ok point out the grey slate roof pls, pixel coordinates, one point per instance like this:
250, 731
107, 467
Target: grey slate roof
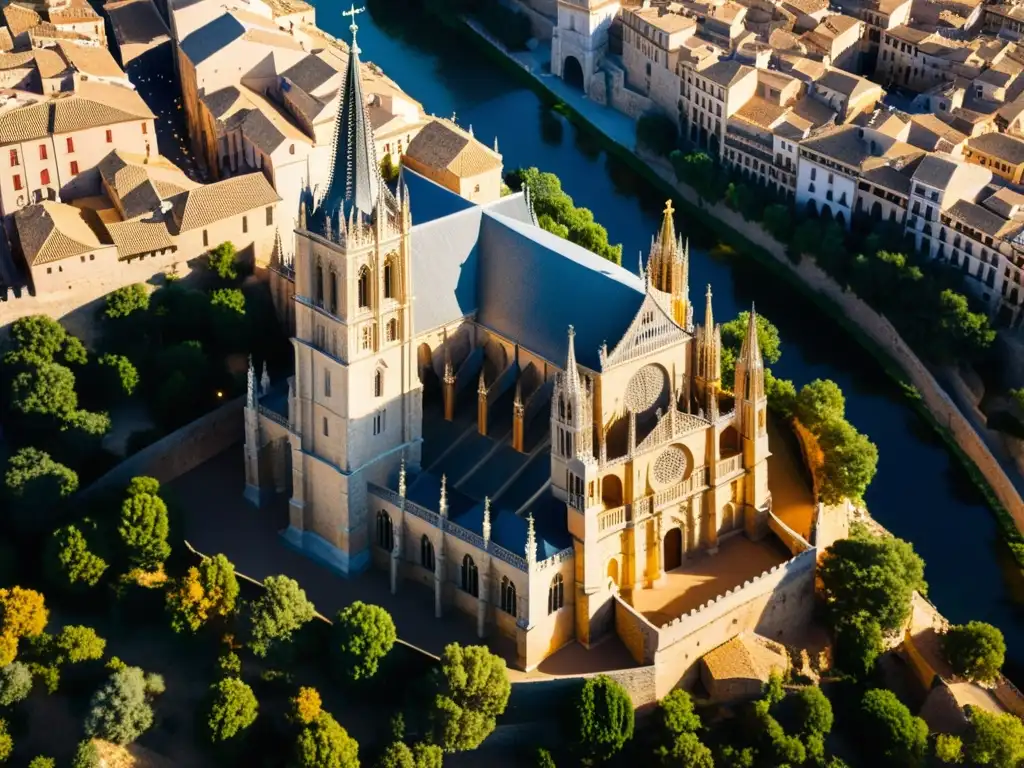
935, 171
999, 145
533, 285
310, 73
888, 177
978, 218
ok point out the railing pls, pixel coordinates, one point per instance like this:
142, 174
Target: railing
516, 561
421, 512
695, 482
729, 465
743, 146
467, 536
275, 416
556, 559
611, 518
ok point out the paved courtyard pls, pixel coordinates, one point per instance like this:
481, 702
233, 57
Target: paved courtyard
707, 576
219, 520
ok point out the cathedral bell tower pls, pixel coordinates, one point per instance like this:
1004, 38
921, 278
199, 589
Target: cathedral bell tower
751, 415
358, 397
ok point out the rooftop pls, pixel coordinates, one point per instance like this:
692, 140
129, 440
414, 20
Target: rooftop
747, 656
138, 27
727, 73
443, 145
51, 231
999, 145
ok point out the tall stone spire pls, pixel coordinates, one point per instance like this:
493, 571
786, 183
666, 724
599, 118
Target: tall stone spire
486, 527
572, 374
355, 181
668, 267
250, 389
442, 506
750, 365
531, 542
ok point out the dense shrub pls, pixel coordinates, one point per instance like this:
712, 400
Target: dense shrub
472, 691
601, 719
120, 711
363, 635
15, 683
232, 709
975, 650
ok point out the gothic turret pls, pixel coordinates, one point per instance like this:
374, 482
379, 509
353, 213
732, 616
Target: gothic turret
572, 408
708, 362
751, 415
749, 365
355, 189
668, 269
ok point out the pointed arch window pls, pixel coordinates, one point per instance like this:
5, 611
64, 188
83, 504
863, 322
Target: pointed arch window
508, 596
389, 276
378, 383
364, 287
385, 531
319, 287
470, 577
391, 330
561, 407
427, 553
556, 594
333, 307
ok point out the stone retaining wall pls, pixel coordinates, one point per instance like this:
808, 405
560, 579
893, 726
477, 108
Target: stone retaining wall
181, 451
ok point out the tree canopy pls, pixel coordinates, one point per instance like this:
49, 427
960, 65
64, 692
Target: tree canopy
472, 691
849, 465
143, 530
820, 402
206, 591
232, 709
36, 487
897, 737
44, 339
126, 300
975, 650
77, 643
15, 683
222, 261
70, 562
364, 634
120, 710
996, 740
278, 613
602, 718
22, 614
325, 744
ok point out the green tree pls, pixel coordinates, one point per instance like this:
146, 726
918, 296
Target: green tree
122, 374
858, 644
126, 300
222, 261
547, 223
143, 530
15, 683
778, 220
699, 171
897, 737
427, 755
975, 650
813, 711
40, 761
363, 635
781, 394
209, 590
45, 389
278, 613
686, 751
969, 332
305, 706
875, 576
229, 665
77, 644
543, 759
43, 338
996, 740
472, 691
120, 710
949, 749
806, 237
142, 484
849, 465
602, 718
36, 487
231, 300
86, 755
733, 334
388, 169
397, 755
819, 403
6, 742
232, 709
675, 714
70, 562
325, 744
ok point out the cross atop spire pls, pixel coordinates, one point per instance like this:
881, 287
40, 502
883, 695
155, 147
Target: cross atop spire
353, 27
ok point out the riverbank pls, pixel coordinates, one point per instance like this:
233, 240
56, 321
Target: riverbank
875, 335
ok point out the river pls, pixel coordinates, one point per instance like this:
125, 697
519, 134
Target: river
920, 492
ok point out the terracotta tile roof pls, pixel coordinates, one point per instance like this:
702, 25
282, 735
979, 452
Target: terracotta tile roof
53, 231
288, 7
140, 184
276, 39
25, 123
20, 19
6, 43
761, 112
76, 10
847, 84
47, 31
443, 146
16, 60
808, 6
745, 656
135, 237
204, 205
727, 73
90, 59
49, 62
846, 145
137, 27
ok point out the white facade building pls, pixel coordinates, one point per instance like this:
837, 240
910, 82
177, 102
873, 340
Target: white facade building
580, 41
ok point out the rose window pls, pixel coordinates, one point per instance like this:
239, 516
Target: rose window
645, 388
670, 467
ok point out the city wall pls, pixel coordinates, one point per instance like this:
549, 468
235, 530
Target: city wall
777, 604
181, 451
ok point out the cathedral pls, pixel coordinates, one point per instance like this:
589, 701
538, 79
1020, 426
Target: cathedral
536, 435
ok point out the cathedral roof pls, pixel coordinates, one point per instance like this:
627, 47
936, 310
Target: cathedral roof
533, 285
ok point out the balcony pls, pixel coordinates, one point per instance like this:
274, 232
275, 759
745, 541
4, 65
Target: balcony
744, 144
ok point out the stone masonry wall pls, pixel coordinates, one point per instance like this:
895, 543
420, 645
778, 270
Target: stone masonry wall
880, 331
181, 451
